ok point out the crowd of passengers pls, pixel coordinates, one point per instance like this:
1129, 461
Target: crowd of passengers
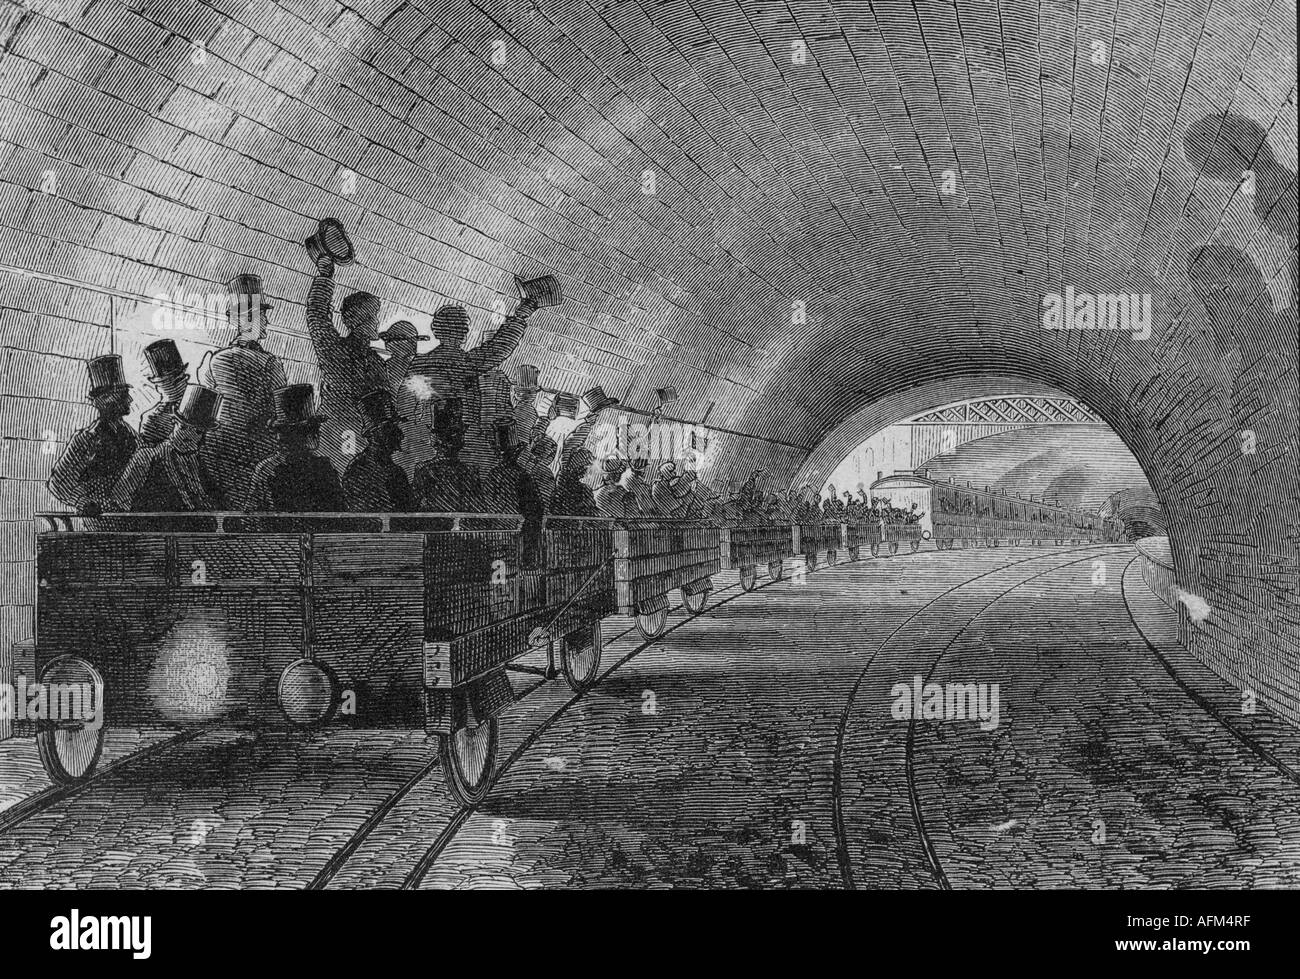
235, 436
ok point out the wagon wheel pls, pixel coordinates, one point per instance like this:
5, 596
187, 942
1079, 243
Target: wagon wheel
580, 657
695, 601
893, 547
469, 759
308, 693
69, 749
831, 557
855, 553
916, 544
775, 569
651, 624
875, 548
748, 577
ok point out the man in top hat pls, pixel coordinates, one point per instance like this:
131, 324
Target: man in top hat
349, 366
573, 496
373, 482
93, 461
446, 483
510, 488
450, 372
171, 477
246, 376
612, 499
169, 375
638, 488
295, 479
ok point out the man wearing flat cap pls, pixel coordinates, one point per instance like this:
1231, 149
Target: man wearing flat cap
171, 477
401, 342
93, 461
295, 479
246, 376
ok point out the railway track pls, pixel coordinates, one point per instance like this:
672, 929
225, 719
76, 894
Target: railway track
837, 788
1251, 744
927, 844
422, 866
46, 799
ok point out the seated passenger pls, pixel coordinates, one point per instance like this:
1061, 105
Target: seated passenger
638, 487
295, 479
171, 477
170, 376
612, 499
373, 482
445, 484
538, 459
510, 488
87, 472
668, 493
573, 498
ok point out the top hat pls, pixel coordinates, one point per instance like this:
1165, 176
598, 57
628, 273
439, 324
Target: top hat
106, 374
200, 407
613, 465
544, 290
566, 404
526, 377
330, 239
244, 295
448, 415
666, 395
668, 469
503, 436
595, 399
378, 409
164, 359
295, 407
403, 330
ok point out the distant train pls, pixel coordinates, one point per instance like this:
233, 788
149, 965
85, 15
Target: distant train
975, 517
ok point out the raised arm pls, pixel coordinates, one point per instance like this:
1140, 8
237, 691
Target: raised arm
490, 354
320, 308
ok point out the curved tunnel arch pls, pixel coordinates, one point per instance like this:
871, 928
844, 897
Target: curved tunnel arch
777, 194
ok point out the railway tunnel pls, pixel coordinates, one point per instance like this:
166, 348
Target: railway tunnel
786, 227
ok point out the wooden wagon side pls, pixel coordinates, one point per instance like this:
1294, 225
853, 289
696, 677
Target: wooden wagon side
746, 547
652, 557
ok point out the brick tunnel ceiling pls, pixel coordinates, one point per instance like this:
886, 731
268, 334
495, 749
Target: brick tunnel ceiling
914, 186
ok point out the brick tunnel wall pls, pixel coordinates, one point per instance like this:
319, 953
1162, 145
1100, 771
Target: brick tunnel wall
159, 147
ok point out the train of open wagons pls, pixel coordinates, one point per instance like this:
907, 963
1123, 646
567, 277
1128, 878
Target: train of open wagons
409, 620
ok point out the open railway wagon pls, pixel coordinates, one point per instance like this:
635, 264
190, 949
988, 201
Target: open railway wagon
981, 517
746, 547
809, 538
652, 557
270, 620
